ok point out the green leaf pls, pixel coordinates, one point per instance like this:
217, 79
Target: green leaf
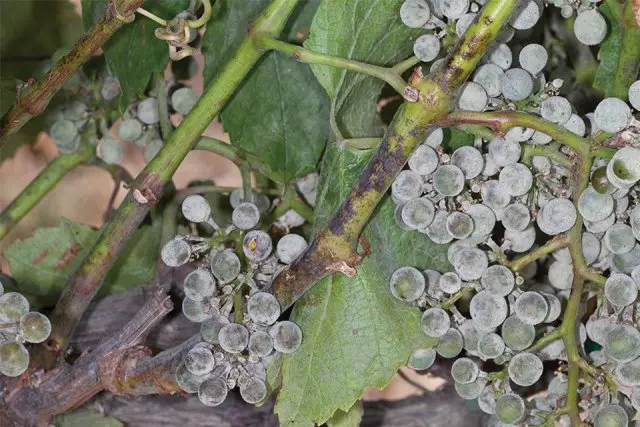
30, 32
280, 113
84, 418
356, 334
134, 53
454, 138
620, 52
351, 418
42, 263
365, 31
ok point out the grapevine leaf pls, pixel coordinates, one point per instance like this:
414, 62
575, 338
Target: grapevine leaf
84, 418
356, 334
280, 112
42, 263
620, 52
57, 25
134, 53
454, 138
365, 31
351, 418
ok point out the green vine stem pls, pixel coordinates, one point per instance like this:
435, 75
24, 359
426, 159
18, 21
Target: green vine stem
41, 185
389, 75
333, 248
148, 187
231, 153
160, 85
34, 99
247, 189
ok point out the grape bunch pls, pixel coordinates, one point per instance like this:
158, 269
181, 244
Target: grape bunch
492, 202
227, 293
18, 326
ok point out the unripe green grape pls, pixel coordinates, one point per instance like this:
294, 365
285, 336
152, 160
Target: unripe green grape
590, 27
290, 247
176, 252
525, 369
488, 311
450, 344
260, 344
246, 216
257, 245
491, 345
407, 284
470, 263
148, 111
233, 338
533, 58
407, 186
556, 109
14, 359
196, 311
459, 225
504, 151
199, 361
213, 391
516, 217
195, 208
287, 337
634, 94
489, 76
531, 308
437, 230
472, 97
109, 150
424, 160
516, 334
415, 13
183, 100
516, 178
152, 148
263, 308
629, 373
110, 88
12, 307
464, 370
418, 213
516, 84
620, 290
422, 359
471, 390
448, 180
611, 416
469, 160
129, 130
35, 327
435, 322
253, 391
500, 55
622, 343
426, 47
510, 408
556, 217
210, 328
595, 206
225, 266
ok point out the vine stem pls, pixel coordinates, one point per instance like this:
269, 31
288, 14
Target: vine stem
333, 249
41, 185
549, 247
389, 75
83, 285
229, 152
34, 99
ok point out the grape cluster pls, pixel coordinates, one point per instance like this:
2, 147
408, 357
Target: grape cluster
18, 326
239, 341
491, 202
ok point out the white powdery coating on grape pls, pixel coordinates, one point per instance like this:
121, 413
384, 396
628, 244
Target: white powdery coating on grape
151, 149
490, 166
13, 306
590, 247
449, 283
504, 151
470, 263
225, 265
622, 343
437, 230
199, 361
611, 416
454, 249
576, 125
183, 100
472, 390
287, 337
422, 359
464, 23
448, 180
517, 84
213, 391
498, 280
556, 217
594, 206
516, 179
491, 345
253, 391
635, 275
526, 15
418, 213
516, 334
453, 9
560, 275
426, 47
432, 278
531, 307
487, 400
63, 132
556, 109
470, 336
246, 216
415, 13
519, 134
629, 373
290, 247
407, 186
620, 290
521, 241
525, 369
263, 308
539, 138
424, 160
257, 245
148, 111
533, 58
555, 307
488, 311
619, 239
210, 328
488, 76
195, 208
600, 226
459, 225
129, 130
450, 344
483, 219
590, 27
464, 370
176, 253
434, 137
634, 94
612, 115
110, 88
472, 97
435, 322
109, 151
233, 338
260, 344
14, 359
501, 56
510, 408
199, 284
35, 327
495, 195
598, 328
196, 311
407, 284
469, 160
516, 217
